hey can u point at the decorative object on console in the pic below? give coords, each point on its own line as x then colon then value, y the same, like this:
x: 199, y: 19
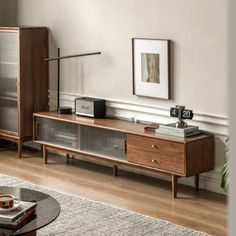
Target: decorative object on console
x: 151, y: 127
x: 182, y: 113
x: 180, y: 128
x: 65, y: 110
x: 151, y: 67
x: 91, y: 107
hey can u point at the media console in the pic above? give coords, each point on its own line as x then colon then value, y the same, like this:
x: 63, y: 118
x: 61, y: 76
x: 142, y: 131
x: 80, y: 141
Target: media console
x: 125, y: 144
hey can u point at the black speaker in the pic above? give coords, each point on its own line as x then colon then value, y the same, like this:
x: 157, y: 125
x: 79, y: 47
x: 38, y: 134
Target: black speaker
x: 91, y: 107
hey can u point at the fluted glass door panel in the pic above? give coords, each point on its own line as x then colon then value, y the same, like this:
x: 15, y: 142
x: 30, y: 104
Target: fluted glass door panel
x: 103, y: 142
x: 63, y: 134
x: 86, y: 139
x: 8, y: 81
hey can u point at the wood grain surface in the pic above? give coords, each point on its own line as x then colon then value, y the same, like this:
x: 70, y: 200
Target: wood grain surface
x: 203, y: 211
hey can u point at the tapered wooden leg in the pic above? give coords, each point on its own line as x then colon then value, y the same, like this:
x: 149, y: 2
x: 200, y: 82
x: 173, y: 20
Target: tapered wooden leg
x: 67, y: 158
x: 19, y: 148
x: 197, y: 182
x: 115, y: 170
x: 45, y: 154
x: 174, y: 186
x: 41, y: 149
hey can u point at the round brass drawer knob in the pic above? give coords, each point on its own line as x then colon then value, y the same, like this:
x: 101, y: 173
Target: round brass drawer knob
x: 154, y: 146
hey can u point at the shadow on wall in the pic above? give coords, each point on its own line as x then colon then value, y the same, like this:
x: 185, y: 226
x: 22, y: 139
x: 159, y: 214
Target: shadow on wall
x: 172, y: 65
x: 52, y: 66
x: 8, y: 13
x: 219, y: 151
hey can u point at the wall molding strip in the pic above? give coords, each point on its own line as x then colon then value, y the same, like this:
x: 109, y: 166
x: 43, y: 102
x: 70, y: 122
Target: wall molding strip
x: 215, y: 124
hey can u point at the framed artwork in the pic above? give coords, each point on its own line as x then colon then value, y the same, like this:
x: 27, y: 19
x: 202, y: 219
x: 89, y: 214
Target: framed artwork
x: 151, y: 67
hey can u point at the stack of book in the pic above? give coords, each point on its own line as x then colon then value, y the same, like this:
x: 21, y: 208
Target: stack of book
x: 18, y: 217
x: 170, y: 129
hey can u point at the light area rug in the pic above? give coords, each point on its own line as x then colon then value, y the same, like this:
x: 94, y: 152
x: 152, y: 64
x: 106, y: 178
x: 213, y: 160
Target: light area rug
x: 80, y: 216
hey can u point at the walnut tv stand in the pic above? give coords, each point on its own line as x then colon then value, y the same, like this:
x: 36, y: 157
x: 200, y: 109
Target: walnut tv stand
x: 125, y: 144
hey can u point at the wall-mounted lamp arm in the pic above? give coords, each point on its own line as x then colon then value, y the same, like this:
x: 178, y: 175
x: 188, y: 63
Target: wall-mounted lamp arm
x: 69, y: 56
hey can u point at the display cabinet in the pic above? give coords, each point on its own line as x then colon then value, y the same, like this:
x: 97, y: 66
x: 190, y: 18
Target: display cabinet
x: 23, y: 80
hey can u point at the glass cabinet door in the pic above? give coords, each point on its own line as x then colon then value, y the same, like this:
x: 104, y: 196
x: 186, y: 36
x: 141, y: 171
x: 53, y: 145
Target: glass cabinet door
x: 92, y: 140
x: 8, y: 81
x: 59, y: 133
x: 103, y: 142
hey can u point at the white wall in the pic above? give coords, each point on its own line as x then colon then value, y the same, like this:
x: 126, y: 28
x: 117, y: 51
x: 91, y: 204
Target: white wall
x: 198, y: 30
x: 232, y: 59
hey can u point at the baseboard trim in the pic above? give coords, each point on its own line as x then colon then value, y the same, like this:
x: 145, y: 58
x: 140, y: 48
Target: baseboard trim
x: 209, y: 181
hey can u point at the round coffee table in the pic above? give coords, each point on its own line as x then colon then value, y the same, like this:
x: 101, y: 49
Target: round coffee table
x: 47, y: 210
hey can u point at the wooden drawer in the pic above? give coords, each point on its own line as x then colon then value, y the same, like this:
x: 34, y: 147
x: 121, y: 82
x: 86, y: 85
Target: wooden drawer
x: 160, y: 154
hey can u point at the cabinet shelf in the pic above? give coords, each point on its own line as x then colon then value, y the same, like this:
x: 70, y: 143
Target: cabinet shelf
x: 8, y: 78
x: 57, y: 146
x: 9, y: 63
x: 14, y: 99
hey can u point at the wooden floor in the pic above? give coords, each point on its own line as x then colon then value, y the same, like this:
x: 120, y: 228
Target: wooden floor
x: 204, y: 211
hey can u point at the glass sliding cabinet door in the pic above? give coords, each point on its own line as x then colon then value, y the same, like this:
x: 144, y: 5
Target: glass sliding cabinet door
x: 9, y: 81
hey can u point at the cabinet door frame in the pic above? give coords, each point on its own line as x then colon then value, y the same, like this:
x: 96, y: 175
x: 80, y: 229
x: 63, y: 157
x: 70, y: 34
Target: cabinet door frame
x: 9, y: 98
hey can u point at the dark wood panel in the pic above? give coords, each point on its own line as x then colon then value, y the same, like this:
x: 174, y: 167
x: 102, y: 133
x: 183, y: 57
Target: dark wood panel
x: 155, y: 145
x: 25, y: 91
x: 156, y: 153
x: 200, y: 156
x: 40, y: 70
x: 33, y: 92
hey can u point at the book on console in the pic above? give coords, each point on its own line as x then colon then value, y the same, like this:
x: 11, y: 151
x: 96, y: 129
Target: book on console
x: 178, y: 134
x: 172, y: 128
x: 12, y: 216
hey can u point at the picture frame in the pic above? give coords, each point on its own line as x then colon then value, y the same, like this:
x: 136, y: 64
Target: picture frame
x: 151, y: 67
